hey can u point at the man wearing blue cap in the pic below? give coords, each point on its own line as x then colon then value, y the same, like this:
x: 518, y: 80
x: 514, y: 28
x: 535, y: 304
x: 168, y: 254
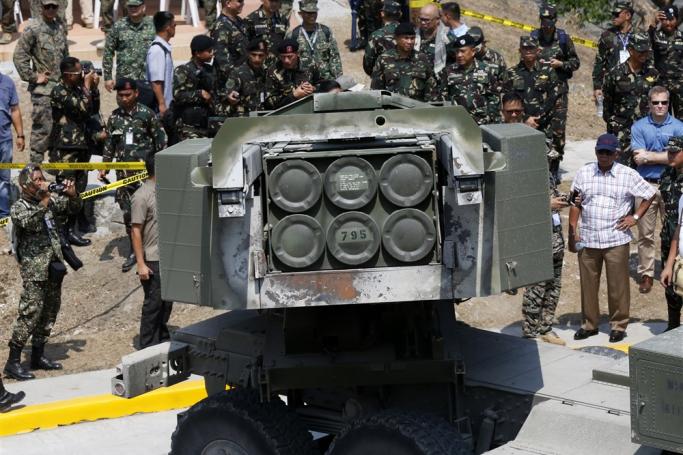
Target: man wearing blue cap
x: 607, y: 190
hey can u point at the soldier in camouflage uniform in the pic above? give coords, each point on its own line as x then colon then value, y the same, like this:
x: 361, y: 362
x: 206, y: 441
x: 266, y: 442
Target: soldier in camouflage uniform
x: 317, y: 46
x: 382, y: 39
x: 625, y: 90
x: 75, y: 100
x: 613, y: 44
x: 39, y: 252
x: 369, y: 20
x: 267, y: 24
x: 194, y: 90
x: 289, y: 80
x: 671, y: 188
x: 129, y: 39
x: 471, y: 83
x: 245, y: 90
x: 558, y: 52
x: 39, y: 51
x: 405, y: 71
x: 133, y: 131
x: 9, y: 25
x: 538, y: 85
x: 231, y: 34
x: 491, y: 57
x: 667, y: 47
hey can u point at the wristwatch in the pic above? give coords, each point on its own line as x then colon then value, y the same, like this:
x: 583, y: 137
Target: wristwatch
x: 636, y: 217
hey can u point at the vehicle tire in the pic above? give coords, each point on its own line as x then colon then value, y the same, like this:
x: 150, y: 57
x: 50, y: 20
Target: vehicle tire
x: 237, y: 423
x: 395, y: 432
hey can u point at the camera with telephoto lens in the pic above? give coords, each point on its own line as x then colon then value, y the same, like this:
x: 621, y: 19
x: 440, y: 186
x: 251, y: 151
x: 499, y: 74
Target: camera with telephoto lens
x: 57, y: 186
x: 88, y: 67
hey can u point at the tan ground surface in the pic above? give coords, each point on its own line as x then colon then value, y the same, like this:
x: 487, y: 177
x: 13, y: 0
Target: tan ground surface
x: 101, y: 306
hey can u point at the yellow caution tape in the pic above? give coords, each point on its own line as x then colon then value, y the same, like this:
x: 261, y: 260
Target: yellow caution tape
x: 505, y: 22
x: 129, y: 166
x: 102, y: 189
x: 521, y: 26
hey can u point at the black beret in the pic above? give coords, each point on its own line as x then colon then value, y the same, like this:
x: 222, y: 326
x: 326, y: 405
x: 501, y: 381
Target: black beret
x: 257, y: 44
x: 405, y: 28
x: 288, y: 46
x: 125, y: 83
x: 201, y: 43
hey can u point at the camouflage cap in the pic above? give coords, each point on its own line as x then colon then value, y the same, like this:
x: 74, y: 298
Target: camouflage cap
x: 26, y: 172
x: 49, y: 2
x: 528, y: 41
x: 675, y: 144
x: 621, y: 5
x: 640, y: 42
x: 125, y: 83
x: 477, y: 33
x: 391, y: 7
x: 134, y: 2
x: 308, y: 6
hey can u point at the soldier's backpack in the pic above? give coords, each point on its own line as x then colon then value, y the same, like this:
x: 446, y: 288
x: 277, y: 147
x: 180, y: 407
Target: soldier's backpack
x: 563, y: 39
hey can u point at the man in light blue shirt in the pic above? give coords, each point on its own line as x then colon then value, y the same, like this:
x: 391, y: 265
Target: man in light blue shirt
x: 9, y: 115
x: 160, y: 61
x: 450, y: 16
x: 649, y: 137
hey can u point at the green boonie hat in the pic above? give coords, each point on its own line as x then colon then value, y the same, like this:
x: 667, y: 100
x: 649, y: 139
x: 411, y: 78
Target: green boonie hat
x: 134, y: 2
x: 309, y: 6
x: 640, y: 42
x: 621, y: 5
x: 528, y: 41
x: 49, y: 2
x: 675, y: 144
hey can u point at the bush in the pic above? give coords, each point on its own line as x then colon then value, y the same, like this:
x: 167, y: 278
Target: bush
x: 595, y: 11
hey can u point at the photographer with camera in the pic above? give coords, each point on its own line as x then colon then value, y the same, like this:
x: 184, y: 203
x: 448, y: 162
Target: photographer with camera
x: 75, y: 100
x: 40, y: 252
x: 194, y: 90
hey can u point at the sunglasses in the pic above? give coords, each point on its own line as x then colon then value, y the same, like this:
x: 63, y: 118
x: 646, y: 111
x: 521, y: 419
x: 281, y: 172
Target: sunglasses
x: 658, y: 103
x: 50, y: 6
x: 513, y: 111
x: 427, y: 19
x: 605, y: 152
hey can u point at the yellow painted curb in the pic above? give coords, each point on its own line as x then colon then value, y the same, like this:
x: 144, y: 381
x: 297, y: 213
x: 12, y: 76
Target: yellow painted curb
x: 67, y: 412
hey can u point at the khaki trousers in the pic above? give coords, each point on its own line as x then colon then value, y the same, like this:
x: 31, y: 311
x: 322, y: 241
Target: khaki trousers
x: 646, y: 234
x: 618, y: 291
x: 86, y: 11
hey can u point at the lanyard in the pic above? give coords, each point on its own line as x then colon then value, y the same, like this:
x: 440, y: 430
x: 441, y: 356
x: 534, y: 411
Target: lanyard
x: 624, y: 38
x: 309, y: 40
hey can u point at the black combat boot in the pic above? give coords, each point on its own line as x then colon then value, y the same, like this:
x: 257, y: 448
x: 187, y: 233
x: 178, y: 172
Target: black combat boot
x: 13, y: 367
x: 130, y: 261
x: 7, y: 399
x: 72, y: 235
x: 40, y: 362
x: 86, y: 217
x: 674, y: 318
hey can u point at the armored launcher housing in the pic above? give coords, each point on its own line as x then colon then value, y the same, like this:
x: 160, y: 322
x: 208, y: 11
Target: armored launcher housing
x: 339, y: 232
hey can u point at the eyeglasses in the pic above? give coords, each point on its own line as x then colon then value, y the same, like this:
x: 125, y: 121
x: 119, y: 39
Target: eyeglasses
x: 50, y: 6
x: 427, y: 19
x: 657, y: 103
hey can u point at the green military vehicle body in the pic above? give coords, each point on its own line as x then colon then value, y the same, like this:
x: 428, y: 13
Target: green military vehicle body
x: 339, y: 232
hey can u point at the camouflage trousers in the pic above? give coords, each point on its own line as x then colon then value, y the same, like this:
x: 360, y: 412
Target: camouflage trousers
x: 191, y: 132
x: 38, y: 308
x: 623, y: 132
x: 80, y: 178
x: 286, y: 8
x: 41, y: 127
x: 8, y: 23
x: 558, y: 123
x: 107, y: 9
x: 540, y: 300
x: 676, y: 90
x: 369, y: 18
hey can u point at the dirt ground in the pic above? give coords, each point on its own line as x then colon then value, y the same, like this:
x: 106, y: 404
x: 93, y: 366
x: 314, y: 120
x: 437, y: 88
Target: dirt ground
x: 101, y: 305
